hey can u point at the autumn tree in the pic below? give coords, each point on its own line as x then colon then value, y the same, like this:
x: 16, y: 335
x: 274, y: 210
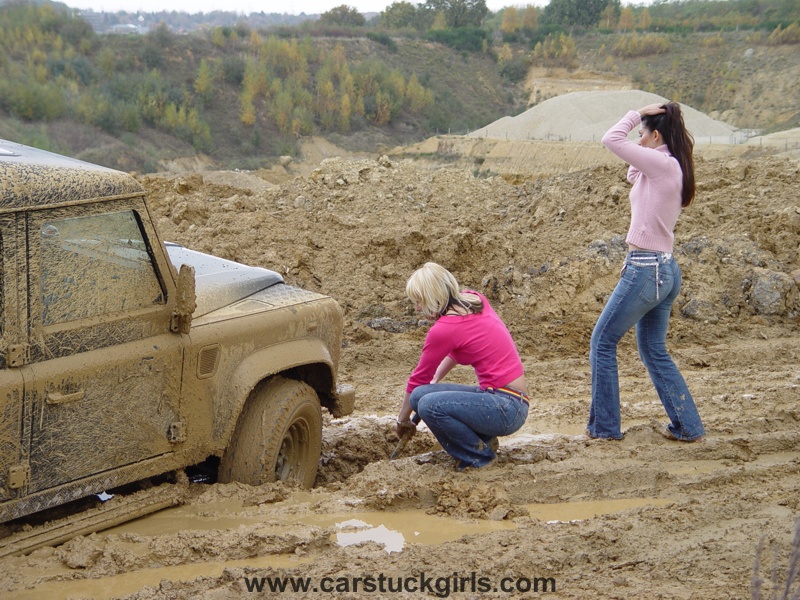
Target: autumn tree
x: 609, y: 17
x: 383, y: 109
x: 204, y: 82
x: 556, y: 51
x: 415, y: 94
x: 439, y: 22
x: 504, y: 55
x: 247, y: 110
x: 281, y: 109
x: 530, y: 17
x: 344, y: 115
x: 511, y: 20
x: 255, y: 42
x: 790, y: 35
x: 398, y: 15
x: 569, y: 13
x: 326, y: 103
x: 218, y: 37
x: 645, y: 20
x: 459, y: 13
x: 343, y: 15
x: 626, y: 19
x: 107, y: 61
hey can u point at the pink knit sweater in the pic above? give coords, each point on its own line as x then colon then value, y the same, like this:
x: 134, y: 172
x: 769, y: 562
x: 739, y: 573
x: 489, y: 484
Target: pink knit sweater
x: 657, y: 184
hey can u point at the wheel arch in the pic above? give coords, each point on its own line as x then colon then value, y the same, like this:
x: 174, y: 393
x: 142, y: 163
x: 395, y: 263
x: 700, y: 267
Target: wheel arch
x: 305, y: 360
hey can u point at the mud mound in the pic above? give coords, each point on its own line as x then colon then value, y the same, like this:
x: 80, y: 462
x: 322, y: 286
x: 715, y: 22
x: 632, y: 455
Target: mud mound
x: 546, y: 252
x: 586, y: 116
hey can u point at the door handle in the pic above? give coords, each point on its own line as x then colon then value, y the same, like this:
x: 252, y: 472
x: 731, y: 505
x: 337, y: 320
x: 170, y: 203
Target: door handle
x: 59, y: 398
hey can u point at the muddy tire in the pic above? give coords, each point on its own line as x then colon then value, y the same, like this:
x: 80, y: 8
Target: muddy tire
x: 278, y: 436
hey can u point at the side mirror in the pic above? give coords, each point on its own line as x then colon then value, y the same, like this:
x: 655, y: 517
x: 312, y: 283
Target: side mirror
x: 181, y: 320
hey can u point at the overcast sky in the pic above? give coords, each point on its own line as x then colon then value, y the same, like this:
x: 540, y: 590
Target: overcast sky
x: 294, y: 7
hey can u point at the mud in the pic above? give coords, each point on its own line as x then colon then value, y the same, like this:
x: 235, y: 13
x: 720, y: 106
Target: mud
x: 643, y: 517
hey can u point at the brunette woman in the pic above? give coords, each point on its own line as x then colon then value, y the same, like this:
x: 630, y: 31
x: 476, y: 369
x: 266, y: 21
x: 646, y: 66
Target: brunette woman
x: 662, y: 173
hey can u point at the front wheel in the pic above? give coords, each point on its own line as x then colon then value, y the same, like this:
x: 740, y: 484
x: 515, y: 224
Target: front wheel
x: 278, y: 436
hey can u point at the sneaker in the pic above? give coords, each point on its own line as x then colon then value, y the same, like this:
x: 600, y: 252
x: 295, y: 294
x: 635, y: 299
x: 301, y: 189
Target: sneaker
x: 665, y: 432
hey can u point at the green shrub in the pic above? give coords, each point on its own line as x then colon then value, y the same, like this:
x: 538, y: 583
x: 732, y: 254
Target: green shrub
x: 470, y: 39
x: 152, y: 56
x: 78, y: 69
x: 634, y: 45
x: 233, y: 68
x: 381, y: 37
x: 515, y: 69
x: 32, y: 101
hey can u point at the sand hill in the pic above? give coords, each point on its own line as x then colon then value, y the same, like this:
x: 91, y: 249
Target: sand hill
x: 586, y: 116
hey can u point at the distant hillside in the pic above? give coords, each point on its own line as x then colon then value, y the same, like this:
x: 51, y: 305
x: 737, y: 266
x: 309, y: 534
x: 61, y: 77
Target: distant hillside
x: 243, y: 97
x: 240, y: 96
x: 740, y: 77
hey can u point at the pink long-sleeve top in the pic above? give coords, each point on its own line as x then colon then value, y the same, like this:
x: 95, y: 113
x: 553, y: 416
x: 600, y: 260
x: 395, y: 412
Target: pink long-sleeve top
x: 657, y: 185
x: 480, y: 340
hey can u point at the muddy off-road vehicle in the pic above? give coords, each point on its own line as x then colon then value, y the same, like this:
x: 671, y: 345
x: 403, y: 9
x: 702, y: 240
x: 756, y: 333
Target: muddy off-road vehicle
x: 123, y: 358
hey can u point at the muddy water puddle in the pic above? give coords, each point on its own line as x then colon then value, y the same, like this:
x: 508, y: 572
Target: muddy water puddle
x: 700, y: 467
x: 408, y: 526
x: 391, y: 529
x: 221, y: 514
x: 125, y: 584
x: 394, y: 531
x: 566, y: 512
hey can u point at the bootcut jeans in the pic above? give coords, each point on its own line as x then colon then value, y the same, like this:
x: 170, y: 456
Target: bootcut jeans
x: 648, y: 286
x: 465, y: 418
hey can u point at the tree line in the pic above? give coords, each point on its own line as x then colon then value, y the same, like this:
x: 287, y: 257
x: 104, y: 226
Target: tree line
x: 572, y: 15
x: 52, y: 66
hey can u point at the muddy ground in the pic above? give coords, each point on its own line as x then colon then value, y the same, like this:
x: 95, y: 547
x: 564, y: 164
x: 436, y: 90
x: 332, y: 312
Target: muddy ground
x: 639, y: 518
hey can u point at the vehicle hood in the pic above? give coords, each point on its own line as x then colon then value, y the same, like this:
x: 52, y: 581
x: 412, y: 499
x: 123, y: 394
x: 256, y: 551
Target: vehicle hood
x: 220, y: 282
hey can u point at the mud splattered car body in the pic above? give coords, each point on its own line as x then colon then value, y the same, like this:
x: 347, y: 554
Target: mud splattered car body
x: 122, y: 357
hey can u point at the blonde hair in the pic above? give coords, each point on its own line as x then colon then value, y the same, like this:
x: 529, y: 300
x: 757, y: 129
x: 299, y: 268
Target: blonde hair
x: 435, y: 290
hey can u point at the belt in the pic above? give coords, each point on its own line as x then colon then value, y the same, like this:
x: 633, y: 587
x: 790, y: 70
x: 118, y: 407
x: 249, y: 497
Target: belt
x: 511, y: 392
x: 648, y: 258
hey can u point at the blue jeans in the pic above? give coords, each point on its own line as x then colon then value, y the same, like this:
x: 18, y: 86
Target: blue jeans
x: 640, y: 300
x: 465, y: 418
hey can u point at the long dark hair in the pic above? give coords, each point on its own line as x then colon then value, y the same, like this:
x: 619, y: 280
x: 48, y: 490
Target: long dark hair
x: 679, y: 141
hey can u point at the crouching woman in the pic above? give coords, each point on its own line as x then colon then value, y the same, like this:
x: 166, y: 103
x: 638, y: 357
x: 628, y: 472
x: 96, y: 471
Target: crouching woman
x: 465, y: 419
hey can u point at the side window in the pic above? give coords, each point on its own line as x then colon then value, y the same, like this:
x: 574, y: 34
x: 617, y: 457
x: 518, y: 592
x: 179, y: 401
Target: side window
x: 95, y: 265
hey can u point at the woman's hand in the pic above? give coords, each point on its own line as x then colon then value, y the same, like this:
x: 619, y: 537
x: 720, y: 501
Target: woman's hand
x: 652, y: 109
x: 404, y: 427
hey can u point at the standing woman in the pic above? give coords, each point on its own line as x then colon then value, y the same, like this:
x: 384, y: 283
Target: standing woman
x: 466, y: 419
x: 662, y: 173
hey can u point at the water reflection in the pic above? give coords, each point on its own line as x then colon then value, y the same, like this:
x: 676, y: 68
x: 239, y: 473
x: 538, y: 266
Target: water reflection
x: 392, y: 541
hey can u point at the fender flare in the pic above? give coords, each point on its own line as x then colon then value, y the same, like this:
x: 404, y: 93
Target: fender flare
x: 260, y: 366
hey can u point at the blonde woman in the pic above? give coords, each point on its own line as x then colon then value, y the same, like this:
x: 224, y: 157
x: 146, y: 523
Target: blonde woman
x: 466, y: 419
